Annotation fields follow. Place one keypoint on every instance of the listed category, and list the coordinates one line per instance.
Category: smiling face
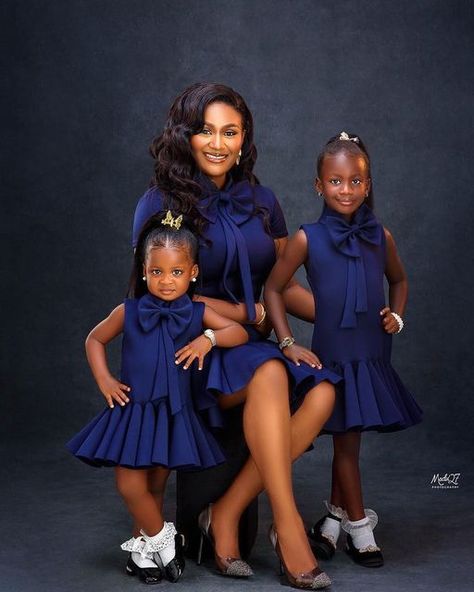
(216, 147)
(344, 182)
(168, 272)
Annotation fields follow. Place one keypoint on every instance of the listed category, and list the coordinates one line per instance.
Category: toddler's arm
(398, 286)
(292, 258)
(103, 333)
(227, 333)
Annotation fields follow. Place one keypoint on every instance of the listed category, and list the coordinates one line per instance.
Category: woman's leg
(275, 440)
(133, 486)
(346, 484)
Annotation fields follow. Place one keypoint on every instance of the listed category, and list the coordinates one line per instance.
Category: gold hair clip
(173, 222)
(345, 136)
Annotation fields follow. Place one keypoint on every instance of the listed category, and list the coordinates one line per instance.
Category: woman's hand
(113, 390)
(197, 348)
(297, 354)
(389, 322)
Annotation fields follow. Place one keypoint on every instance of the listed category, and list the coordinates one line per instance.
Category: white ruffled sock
(331, 527)
(162, 544)
(135, 546)
(361, 531)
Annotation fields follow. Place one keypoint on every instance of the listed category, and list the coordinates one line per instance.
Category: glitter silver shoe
(227, 566)
(310, 580)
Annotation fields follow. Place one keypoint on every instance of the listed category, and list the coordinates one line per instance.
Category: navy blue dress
(161, 425)
(236, 255)
(345, 268)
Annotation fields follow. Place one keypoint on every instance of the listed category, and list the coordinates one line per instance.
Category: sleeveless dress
(161, 425)
(236, 255)
(345, 268)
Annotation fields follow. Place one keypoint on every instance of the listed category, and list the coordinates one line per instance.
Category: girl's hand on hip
(113, 390)
(389, 322)
(297, 354)
(196, 349)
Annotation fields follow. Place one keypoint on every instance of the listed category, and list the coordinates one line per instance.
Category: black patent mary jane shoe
(371, 556)
(174, 569)
(148, 575)
(323, 547)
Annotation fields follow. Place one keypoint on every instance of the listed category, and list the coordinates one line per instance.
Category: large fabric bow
(172, 318)
(233, 206)
(346, 238)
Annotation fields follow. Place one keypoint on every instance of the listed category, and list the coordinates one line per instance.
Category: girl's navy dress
(345, 268)
(236, 255)
(161, 425)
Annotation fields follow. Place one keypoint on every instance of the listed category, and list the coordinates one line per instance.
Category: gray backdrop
(89, 84)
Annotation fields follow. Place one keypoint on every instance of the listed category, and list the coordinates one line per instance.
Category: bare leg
(346, 484)
(157, 479)
(132, 485)
(275, 440)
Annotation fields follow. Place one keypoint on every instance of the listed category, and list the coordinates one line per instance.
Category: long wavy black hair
(155, 234)
(353, 145)
(175, 167)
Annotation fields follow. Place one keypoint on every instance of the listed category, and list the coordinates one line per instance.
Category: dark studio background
(88, 85)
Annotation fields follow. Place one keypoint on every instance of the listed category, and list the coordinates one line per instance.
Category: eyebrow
(224, 126)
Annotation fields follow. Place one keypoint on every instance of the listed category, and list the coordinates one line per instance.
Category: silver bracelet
(209, 333)
(400, 322)
(286, 342)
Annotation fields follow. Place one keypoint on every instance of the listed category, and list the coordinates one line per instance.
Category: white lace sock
(331, 527)
(135, 546)
(162, 544)
(361, 531)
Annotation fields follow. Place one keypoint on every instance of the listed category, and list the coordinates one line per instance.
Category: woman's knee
(272, 372)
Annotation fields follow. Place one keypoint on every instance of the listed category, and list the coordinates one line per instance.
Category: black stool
(196, 489)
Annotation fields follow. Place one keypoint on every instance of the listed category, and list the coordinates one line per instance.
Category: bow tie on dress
(346, 237)
(233, 206)
(172, 318)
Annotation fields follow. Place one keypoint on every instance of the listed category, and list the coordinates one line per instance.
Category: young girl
(346, 253)
(150, 425)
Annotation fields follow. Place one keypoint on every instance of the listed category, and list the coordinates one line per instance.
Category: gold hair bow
(173, 222)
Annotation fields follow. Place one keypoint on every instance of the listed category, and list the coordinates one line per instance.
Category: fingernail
(313, 365)
(176, 362)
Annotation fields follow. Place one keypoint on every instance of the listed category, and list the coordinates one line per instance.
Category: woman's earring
(193, 279)
(320, 194)
(237, 160)
(144, 278)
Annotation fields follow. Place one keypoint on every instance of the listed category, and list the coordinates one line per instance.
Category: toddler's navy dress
(345, 268)
(161, 425)
(236, 255)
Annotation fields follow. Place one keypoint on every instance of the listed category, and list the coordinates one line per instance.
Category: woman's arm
(293, 256)
(230, 310)
(398, 286)
(227, 333)
(98, 338)
(299, 301)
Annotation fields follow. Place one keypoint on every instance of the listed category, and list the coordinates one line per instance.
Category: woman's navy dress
(236, 255)
(160, 426)
(345, 268)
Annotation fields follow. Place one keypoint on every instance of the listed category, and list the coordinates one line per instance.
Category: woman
(204, 163)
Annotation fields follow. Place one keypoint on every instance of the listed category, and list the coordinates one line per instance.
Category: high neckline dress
(236, 256)
(345, 269)
(162, 423)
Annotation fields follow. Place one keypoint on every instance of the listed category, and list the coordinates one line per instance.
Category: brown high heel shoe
(311, 580)
(227, 566)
